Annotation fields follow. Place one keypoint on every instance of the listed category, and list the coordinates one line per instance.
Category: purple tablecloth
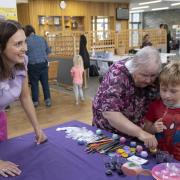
(58, 159)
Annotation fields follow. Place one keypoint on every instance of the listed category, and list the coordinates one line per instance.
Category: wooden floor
(63, 109)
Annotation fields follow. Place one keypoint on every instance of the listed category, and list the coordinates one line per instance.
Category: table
(58, 159)
(102, 63)
(164, 58)
(113, 59)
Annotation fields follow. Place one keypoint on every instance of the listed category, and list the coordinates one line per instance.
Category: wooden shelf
(74, 23)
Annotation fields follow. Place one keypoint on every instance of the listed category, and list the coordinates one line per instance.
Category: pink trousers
(3, 126)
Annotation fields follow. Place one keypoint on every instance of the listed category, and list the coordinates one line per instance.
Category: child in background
(77, 74)
(163, 117)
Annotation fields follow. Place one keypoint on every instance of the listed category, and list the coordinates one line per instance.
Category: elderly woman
(125, 93)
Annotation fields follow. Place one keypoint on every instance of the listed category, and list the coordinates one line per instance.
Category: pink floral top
(118, 93)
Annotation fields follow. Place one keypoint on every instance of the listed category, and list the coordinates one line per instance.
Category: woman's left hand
(41, 137)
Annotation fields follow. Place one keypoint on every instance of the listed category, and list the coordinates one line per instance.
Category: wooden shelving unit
(49, 24)
(66, 43)
(60, 23)
(74, 23)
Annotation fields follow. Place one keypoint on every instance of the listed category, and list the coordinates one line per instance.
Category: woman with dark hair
(84, 52)
(14, 84)
(37, 53)
(85, 56)
(168, 38)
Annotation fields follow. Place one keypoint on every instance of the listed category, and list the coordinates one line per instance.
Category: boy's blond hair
(77, 60)
(170, 74)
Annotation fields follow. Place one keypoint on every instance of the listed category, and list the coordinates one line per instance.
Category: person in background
(14, 84)
(163, 116)
(77, 74)
(125, 93)
(37, 53)
(161, 26)
(161, 46)
(146, 41)
(168, 38)
(85, 56)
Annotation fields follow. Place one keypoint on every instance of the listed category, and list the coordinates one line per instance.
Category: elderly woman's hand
(40, 137)
(9, 169)
(148, 139)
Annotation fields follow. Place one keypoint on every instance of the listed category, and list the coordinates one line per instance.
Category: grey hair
(142, 58)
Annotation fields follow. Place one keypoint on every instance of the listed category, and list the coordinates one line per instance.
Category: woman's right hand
(149, 140)
(8, 168)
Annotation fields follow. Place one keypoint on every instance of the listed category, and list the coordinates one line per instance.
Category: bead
(125, 155)
(133, 144)
(139, 148)
(118, 169)
(153, 150)
(133, 149)
(115, 136)
(122, 140)
(113, 167)
(127, 151)
(99, 132)
(107, 165)
(120, 151)
(108, 172)
(80, 142)
(144, 154)
(126, 148)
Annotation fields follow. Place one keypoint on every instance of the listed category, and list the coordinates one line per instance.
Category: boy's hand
(158, 126)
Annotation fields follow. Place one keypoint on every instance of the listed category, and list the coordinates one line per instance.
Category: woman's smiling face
(15, 48)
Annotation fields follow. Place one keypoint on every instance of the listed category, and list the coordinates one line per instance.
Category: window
(101, 25)
(135, 24)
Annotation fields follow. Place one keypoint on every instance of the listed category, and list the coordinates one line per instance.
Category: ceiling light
(163, 8)
(150, 2)
(175, 4)
(141, 7)
(138, 11)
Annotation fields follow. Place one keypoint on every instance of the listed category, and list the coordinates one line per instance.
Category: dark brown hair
(7, 29)
(28, 30)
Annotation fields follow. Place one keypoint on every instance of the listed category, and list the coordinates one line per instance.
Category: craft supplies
(133, 144)
(137, 160)
(170, 171)
(99, 132)
(134, 169)
(115, 136)
(144, 154)
(139, 148)
(122, 140)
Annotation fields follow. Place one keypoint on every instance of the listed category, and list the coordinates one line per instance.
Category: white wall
(8, 3)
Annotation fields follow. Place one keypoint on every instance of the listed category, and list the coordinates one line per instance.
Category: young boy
(163, 117)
